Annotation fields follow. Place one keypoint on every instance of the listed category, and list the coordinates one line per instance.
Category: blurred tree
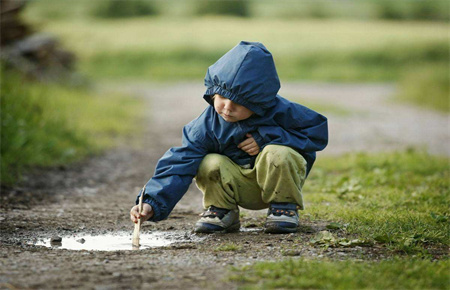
(12, 28)
(412, 10)
(123, 9)
(388, 10)
(223, 7)
(426, 11)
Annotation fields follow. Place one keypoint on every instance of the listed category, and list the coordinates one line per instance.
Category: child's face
(229, 110)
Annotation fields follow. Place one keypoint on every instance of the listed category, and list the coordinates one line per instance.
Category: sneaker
(218, 220)
(281, 218)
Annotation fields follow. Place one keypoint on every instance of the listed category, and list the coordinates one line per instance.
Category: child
(250, 148)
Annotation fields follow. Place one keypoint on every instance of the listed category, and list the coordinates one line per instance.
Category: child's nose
(228, 105)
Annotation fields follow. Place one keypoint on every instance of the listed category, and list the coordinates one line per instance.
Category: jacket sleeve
(174, 173)
(297, 126)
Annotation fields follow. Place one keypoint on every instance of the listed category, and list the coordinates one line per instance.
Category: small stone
(56, 239)
(81, 241)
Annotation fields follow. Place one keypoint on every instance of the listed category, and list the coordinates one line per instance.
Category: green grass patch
(161, 48)
(397, 199)
(427, 87)
(325, 274)
(48, 125)
(182, 48)
(191, 63)
(228, 247)
(178, 64)
(436, 10)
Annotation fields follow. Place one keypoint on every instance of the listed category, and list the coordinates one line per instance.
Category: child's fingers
(144, 212)
(134, 214)
(253, 151)
(249, 146)
(245, 142)
(147, 212)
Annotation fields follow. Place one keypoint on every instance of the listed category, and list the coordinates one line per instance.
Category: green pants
(278, 176)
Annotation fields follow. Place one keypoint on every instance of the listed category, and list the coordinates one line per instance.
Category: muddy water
(117, 241)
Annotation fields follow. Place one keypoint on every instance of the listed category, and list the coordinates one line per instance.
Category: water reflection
(118, 241)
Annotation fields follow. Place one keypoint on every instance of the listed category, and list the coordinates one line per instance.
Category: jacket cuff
(156, 207)
(258, 139)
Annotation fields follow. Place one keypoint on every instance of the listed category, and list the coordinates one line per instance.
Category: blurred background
(53, 52)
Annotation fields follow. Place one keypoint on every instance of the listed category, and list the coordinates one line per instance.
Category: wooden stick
(137, 226)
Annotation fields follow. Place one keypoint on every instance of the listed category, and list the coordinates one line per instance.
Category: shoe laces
(279, 212)
(213, 212)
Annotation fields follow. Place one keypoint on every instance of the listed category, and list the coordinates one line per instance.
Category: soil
(94, 197)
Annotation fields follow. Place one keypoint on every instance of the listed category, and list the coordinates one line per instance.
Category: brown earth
(94, 197)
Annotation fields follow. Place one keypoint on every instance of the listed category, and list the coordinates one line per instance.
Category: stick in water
(137, 226)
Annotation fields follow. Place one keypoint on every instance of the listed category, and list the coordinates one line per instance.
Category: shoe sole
(277, 228)
(205, 228)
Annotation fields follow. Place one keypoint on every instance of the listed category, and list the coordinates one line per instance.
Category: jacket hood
(246, 75)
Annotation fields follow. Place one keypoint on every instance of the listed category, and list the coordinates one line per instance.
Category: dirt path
(94, 197)
(362, 117)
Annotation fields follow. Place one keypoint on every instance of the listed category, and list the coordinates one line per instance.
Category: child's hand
(147, 212)
(249, 145)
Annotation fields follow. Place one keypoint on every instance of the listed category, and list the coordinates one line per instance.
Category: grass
(325, 274)
(397, 199)
(161, 48)
(49, 125)
(427, 87)
(367, 9)
(228, 247)
(414, 53)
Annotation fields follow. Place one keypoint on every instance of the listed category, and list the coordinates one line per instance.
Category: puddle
(246, 230)
(118, 241)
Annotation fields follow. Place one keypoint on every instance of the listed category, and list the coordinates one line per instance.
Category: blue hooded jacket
(247, 76)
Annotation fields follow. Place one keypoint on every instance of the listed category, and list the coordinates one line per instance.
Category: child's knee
(210, 167)
(278, 155)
